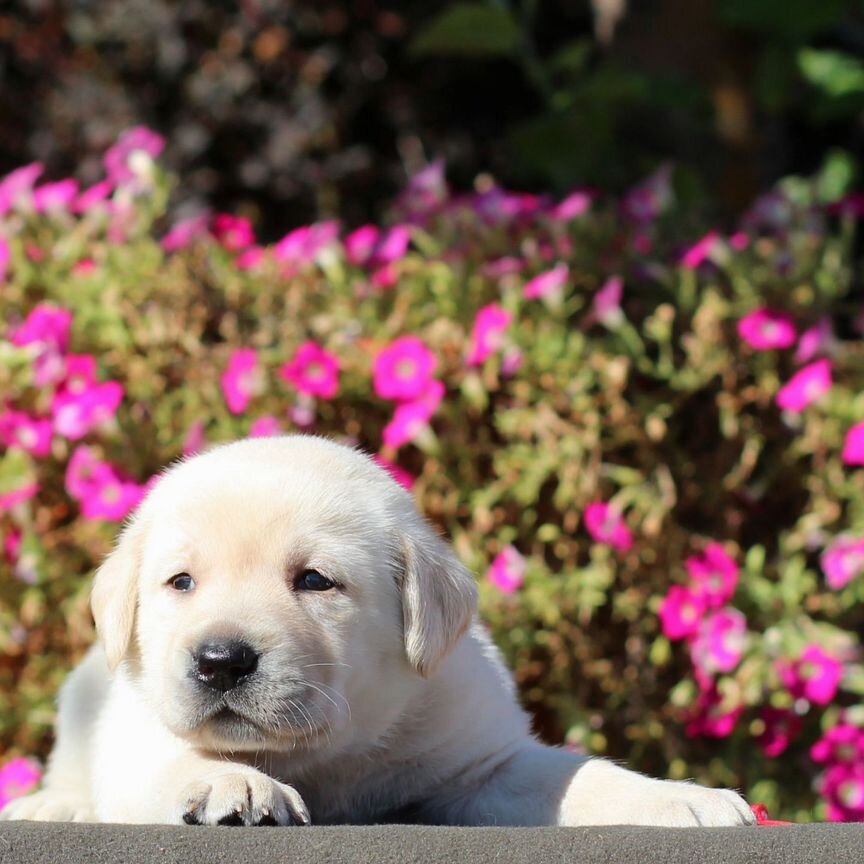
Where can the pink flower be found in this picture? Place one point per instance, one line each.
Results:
(805, 387)
(303, 245)
(501, 267)
(31, 434)
(739, 241)
(719, 645)
(16, 188)
(5, 258)
(714, 574)
(842, 561)
(781, 728)
(843, 743)
(817, 340)
(607, 302)
(242, 380)
(815, 675)
(112, 499)
(195, 439)
(79, 372)
(313, 371)
(426, 190)
(265, 427)
(400, 475)
(576, 204)
(12, 543)
(512, 363)
(10, 500)
(681, 613)
(18, 777)
(85, 472)
(75, 414)
(118, 160)
(490, 326)
(91, 198)
(843, 789)
(84, 267)
(853, 447)
(711, 717)
(371, 247)
(410, 418)
(403, 370)
(47, 326)
(234, 233)
(507, 572)
(547, 285)
(645, 202)
(251, 259)
(606, 525)
(766, 330)
(55, 197)
(185, 233)
(700, 252)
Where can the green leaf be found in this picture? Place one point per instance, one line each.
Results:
(835, 73)
(468, 30)
(835, 176)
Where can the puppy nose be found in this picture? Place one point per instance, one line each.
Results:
(222, 665)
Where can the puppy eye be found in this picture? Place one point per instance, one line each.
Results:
(182, 582)
(312, 580)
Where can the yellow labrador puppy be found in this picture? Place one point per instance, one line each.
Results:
(284, 640)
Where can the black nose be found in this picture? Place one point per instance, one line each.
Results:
(223, 665)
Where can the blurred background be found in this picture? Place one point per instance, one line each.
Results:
(615, 244)
(290, 111)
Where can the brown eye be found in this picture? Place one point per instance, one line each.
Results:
(312, 580)
(182, 582)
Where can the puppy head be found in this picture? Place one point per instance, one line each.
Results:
(279, 593)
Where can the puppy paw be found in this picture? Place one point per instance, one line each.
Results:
(48, 805)
(242, 799)
(684, 805)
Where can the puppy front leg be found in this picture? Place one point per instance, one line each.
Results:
(541, 785)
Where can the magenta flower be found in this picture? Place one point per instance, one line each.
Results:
(79, 372)
(607, 302)
(512, 362)
(814, 676)
(313, 371)
(195, 439)
(47, 326)
(681, 613)
(646, 201)
(501, 267)
(91, 198)
(186, 232)
(234, 233)
(507, 572)
(242, 380)
(251, 259)
(766, 330)
(719, 645)
(782, 727)
(55, 197)
(714, 575)
(371, 247)
(16, 188)
(119, 159)
(842, 744)
(18, 777)
(487, 338)
(817, 340)
(411, 418)
(265, 427)
(842, 561)
(576, 204)
(5, 258)
(711, 718)
(10, 500)
(400, 475)
(739, 241)
(85, 472)
(805, 387)
(18, 429)
(12, 543)
(700, 251)
(112, 499)
(426, 191)
(84, 267)
(853, 446)
(403, 371)
(75, 414)
(547, 285)
(606, 525)
(843, 789)
(303, 245)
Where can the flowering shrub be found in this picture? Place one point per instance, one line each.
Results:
(646, 440)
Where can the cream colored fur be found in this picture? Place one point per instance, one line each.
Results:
(382, 700)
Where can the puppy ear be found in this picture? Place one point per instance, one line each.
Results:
(114, 597)
(439, 598)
